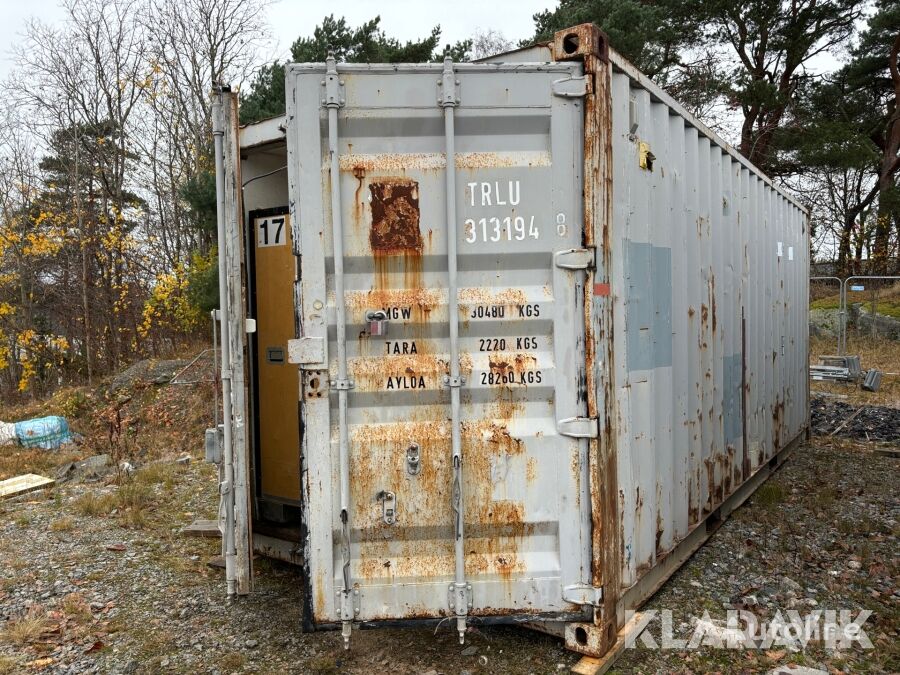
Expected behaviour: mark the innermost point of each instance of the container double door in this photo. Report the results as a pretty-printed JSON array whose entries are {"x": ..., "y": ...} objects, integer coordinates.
[{"x": 522, "y": 485}]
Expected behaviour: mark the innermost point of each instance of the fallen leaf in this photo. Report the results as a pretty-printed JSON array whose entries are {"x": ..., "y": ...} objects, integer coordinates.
[
  {"x": 40, "y": 663},
  {"x": 96, "y": 647},
  {"x": 776, "y": 656},
  {"x": 116, "y": 547}
]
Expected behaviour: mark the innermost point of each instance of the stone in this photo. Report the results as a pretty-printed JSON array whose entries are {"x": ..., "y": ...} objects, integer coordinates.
[{"x": 469, "y": 651}]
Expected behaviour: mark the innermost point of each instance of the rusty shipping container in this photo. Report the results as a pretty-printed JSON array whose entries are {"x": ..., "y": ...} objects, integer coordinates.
[{"x": 532, "y": 378}]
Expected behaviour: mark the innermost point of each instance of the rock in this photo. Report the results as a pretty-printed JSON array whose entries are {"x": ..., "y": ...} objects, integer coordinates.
[
  {"x": 469, "y": 651},
  {"x": 183, "y": 460},
  {"x": 796, "y": 670},
  {"x": 854, "y": 565},
  {"x": 251, "y": 644},
  {"x": 749, "y": 601},
  {"x": 789, "y": 583}
]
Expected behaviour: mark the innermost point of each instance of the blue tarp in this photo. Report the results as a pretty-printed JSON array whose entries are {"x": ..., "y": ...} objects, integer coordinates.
[{"x": 44, "y": 432}]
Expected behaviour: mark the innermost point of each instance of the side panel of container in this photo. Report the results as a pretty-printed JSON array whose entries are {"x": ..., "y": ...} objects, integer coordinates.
[
  {"x": 521, "y": 339},
  {"x": 709, "y": 273}
]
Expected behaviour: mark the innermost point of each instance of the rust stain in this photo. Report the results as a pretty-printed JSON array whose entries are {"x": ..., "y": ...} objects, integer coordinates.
[
  {"x": 395, "y": 216},
  {"x": 531, "y": 469},
  {"x": 425, "y": 161},
  {"x": 482, "y": 295},
  {"x": 507, "y": 364}
]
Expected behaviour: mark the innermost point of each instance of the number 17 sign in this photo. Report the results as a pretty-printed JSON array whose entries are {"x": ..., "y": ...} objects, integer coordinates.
[{"x": 270, "y": 230}]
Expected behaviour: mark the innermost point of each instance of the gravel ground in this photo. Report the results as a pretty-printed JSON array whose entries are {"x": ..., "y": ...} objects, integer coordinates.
[{"x": 95, "y": 578}]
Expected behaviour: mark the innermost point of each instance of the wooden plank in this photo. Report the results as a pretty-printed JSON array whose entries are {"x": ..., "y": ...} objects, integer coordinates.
[
  {"x": 589, "y": 665},
  {"x": 888, "y": 452},
  {"x": 203, "y": 528},
  {"x": 19, "y": 485},
  {"x": 848, "y": 420}
]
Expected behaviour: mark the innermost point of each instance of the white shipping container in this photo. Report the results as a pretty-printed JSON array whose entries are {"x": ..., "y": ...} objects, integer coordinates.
[{"x": 532, "y": 379}]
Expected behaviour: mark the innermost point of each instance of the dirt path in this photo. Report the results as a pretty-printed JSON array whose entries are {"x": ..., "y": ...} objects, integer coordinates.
[{"x": 95, "y": 578}]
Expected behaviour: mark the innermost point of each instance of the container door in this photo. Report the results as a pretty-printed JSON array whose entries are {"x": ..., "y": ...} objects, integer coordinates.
[
  {"x": 518, "y": 135},
  {"x": 272, "y": 305}
]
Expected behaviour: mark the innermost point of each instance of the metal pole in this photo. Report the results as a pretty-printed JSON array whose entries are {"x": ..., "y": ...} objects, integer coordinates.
[
  {"x": 460, "y": 589},
  {"x": 333, "y": 101},
  {"x": 227, "y": 486}
]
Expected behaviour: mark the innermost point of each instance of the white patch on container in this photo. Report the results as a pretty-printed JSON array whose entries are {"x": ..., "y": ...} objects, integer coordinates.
[{"x": 780, "y": 249}]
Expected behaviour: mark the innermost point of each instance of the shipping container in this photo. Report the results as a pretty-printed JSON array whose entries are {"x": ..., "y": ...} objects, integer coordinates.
[{"x": 523, "y": 384}]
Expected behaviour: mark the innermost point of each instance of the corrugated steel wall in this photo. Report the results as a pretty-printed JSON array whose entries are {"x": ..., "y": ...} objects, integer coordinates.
[{"x": 709, "y": 283}]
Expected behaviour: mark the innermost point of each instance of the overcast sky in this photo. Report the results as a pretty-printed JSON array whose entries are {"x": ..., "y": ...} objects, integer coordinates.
[{"x": 288, "y": 19}]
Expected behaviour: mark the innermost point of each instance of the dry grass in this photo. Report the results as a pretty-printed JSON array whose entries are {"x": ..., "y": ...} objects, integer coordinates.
[
  {"x": 15, "y": 461},
  {"x": 9, "y": 665},
  {"x": 64, "y": 524},
  {"x": 75, "y": 606},
  {"x": 232, "y": 661},
  {"x": 26, "y": 629},
  {"x": 92, "y": 504}
]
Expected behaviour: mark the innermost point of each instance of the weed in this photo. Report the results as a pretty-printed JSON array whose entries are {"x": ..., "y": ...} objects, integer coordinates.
[
  {"x": 23, "y": 520},
  {"x": 825, "y": 498},
  {"x": 232, "y": 661},
  {"x": 133, "y": 519},
  {"x": 770, "y": 494},
  {"x": 74, "y": 605},
  {"x": 91, "y": 504},
  {"x": 323, "y": 665},
  {"x": 847, "y": 526},
  {"x": 157, "y": 473},
  {"x": 26, "y": 629},
  {"x": 9, "y": 665},
  {"x": 64, "y": 524},
  {"x": 133, "y": 495}
]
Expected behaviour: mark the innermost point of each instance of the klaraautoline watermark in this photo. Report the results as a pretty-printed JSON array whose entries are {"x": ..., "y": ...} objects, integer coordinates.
[{"x": 833, "y": 629}]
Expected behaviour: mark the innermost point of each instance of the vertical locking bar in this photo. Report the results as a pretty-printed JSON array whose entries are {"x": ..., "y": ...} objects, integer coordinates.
[
  {"x": 448, "y": 101},
  {"x": 334, "y": 100}
]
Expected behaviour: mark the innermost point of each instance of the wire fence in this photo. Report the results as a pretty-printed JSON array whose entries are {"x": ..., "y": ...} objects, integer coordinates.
[{"x": 855, "y": 313}]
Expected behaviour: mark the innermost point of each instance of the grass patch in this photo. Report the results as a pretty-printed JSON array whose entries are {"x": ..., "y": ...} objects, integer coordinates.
[
  {"x": 22, "y": 520},
  {"x": 64, "y": 524},
  {"x": 74, "y": 605},
  {"x": 26, "y": 629},
  {"x": 770, "y": 494},
  {"x": 832, "y": 302},
  {"x": 91, "y": 504},
  {"x": 9, "y": 665},
  {"x": 232, "y": 661},
  {"x": 158, "y": 473},
  {"x": 323, "y": 665}
]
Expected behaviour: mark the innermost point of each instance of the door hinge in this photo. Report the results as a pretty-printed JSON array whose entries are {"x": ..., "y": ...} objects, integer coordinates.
[
  {"x": 349, "y": 604},
  {"x": 582, "y": 594},
  {"x": 575, "y": 258},
  {"x": 572, "y": 87},
  {"x": 306, "y": 350},
  {"x": 333, "y": 86},
  {"x": 579, "y": 427},
  {"x": 459, "y": 598}
]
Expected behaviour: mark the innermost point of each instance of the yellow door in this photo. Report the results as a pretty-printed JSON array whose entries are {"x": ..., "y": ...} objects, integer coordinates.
[{"x": 277, "y": 423}]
